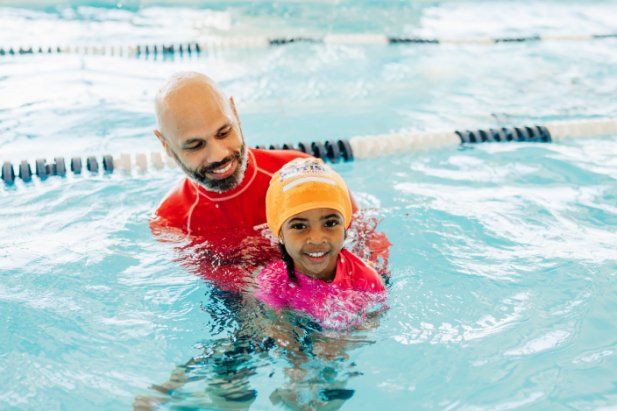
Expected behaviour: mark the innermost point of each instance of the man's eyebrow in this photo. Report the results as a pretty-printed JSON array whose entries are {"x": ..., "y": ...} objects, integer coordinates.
[{"x": 223, "y": 128}]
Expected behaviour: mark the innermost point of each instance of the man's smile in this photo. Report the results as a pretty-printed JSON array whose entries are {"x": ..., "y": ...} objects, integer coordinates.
[{"x": 225, "y": 171}]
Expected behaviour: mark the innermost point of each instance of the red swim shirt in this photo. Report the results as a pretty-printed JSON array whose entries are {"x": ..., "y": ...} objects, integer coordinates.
[
  {"x": 224, "y": 230},
  {"x": 197, "y": 212}
]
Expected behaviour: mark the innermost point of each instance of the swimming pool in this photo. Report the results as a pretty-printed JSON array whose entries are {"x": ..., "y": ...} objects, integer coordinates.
[{"x": 504, "y": 259}]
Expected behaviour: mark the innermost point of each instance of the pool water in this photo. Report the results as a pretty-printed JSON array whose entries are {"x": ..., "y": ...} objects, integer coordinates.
[{"x": 504, "y": 259}]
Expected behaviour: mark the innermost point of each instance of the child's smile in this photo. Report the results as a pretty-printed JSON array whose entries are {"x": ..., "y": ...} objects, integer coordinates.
[{"x": 314, "y": 239}]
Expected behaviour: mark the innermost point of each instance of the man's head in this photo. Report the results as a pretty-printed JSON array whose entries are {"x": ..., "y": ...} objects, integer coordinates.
[{"x": 201, "y": 130}]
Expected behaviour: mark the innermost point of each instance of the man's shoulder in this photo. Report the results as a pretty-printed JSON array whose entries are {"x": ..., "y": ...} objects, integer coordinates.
[
  {"x": 273, "y": 160},
  {"x": 362, "y": 276},
  {"x": 175, "y": 199}
]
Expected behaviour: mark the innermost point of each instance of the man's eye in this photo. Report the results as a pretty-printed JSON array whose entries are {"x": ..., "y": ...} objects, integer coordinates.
[
  {"x": 195, "y": 146},
  {"x": 224, "y": 133}
]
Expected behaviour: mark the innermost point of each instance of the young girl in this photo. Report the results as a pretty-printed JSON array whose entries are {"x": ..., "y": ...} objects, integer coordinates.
[{"x": 308, "y": 208}]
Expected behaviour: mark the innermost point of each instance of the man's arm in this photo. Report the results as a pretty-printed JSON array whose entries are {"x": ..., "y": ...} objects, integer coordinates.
[{"x": 367, "y": 243}]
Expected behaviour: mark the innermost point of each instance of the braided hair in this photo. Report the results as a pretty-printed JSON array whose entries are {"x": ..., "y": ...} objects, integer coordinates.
[{"x": 289, "y": 263}]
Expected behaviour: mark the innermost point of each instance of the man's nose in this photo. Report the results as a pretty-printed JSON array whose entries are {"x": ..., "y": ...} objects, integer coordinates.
[{"x": 216, "y": 151}]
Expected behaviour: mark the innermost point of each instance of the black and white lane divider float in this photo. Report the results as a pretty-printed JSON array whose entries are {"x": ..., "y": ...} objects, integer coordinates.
[
  {"x": 355, "y": 148},
  {"x": 212, "y": 44}
]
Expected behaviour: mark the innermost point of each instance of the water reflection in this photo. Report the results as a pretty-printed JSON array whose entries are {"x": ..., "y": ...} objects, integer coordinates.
[
  {"x": 247, "y": 339},
  {"x": 314, "y": 362}
]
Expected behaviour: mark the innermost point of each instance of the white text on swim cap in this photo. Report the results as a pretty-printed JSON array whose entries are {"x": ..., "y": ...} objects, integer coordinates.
[{"x": 311, "y": 179}]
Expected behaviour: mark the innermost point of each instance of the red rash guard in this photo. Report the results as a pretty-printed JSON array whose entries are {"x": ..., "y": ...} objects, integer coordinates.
[
  {"x": 197, "y": 212},
  {"x": 224, "y": 230}
]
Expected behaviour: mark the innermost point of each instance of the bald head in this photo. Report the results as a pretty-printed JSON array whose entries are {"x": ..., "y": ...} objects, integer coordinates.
[{"x": 176, "y": 100}]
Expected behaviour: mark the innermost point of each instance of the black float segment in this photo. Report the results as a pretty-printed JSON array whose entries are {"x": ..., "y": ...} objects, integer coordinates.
[
  {"x": 318, "y": 149},
  {"x": 60, "y": 166},
  {"x": 534, "y": 134},
  {"x": 42, "y": 168},
  {"x": 304, "y": 147},
  {"x": 8, "y": 174},
  {"x": 92, "y": 165},
  {"x": 76, "y": 165},
  {"x": 108, "y": 163},
  {"x": 345, "y": 149},
  {"x": 25, "y": 172},
  {"x": 330, "y": 150}
]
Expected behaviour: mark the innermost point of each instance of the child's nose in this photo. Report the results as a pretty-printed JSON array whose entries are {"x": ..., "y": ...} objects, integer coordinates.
[{"x": 316, "y": 236}]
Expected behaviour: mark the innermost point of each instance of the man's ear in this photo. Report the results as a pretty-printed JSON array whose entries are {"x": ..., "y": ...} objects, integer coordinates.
[
  {"x": 233, "y": 107},
  {"x": 158, "y": 135}
]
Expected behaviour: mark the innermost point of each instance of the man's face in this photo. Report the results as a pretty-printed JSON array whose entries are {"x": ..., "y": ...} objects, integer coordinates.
[{"x": 202, "y": 133}]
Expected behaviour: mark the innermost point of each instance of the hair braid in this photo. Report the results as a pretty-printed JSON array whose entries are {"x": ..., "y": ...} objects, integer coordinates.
[{"x": 289, "y": 263}]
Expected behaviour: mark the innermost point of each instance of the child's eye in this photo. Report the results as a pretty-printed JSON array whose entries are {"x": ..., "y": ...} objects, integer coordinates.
[
  {"x": 297, "y": 226},
  {"x": 332, "y": 223}
]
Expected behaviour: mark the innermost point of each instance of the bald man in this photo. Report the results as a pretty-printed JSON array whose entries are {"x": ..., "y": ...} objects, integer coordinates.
[{"x": 221, "y": 203}]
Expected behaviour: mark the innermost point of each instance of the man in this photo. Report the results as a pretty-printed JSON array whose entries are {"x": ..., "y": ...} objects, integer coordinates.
[
  {"x": 226, "y": 184},
  {"x": 220, "y": 207}
]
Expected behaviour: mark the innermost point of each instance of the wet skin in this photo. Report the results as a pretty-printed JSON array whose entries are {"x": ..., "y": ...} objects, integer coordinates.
[{"x": 314, "y": 239}]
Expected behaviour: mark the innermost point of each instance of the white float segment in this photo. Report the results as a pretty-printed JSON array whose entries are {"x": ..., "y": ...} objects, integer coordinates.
[
  {"x": 470, "y": 40},
  {"x": 141, "y": 161},
  {"x": 123, "y": 162},
  {"x": 355, "y": 39},
  {"x": 565, "y": 37},
  {"x": 237, "y": 42},
  {"x": 582, "y": 128},
  {"x": 170, "y": 162},
  {"x": 156, "y": 160},
  {"x": 389, "y": 144}
]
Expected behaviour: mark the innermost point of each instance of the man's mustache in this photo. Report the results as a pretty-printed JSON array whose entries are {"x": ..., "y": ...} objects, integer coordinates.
[{"x": 210, "y": 168}]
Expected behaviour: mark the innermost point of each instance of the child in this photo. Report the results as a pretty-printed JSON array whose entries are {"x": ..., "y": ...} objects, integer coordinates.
[{"x": 308, "y": 208}]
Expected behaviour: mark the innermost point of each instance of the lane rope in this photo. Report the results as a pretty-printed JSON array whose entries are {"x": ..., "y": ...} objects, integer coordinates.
[
  {"x": 213, "y": 44},
  {"x": 358, "y": 147}
]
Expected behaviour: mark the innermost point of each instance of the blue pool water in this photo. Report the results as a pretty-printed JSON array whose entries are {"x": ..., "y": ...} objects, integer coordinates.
[{"x": 504, "y": 257}]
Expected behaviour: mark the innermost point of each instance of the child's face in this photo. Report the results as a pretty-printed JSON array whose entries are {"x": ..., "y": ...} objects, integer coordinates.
[{"x": 314, "y": 239}]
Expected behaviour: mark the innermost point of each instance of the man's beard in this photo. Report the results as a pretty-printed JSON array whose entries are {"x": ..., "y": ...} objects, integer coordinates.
[{"x": 199, "y": 176}]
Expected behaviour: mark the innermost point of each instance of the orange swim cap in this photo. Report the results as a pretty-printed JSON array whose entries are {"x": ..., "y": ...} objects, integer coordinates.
[{"x": 305, "y": 184}]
